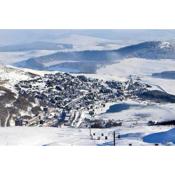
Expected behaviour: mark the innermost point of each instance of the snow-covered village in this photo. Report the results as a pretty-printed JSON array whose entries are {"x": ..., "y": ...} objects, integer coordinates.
[{"x": 87, "y": 90}]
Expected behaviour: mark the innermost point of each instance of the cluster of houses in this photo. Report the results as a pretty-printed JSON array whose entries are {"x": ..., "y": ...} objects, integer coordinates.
[{"x": 62, "y": 97}]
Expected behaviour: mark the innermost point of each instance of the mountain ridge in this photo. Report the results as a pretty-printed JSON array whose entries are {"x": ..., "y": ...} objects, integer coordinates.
[{"x": 95, "y": 58}]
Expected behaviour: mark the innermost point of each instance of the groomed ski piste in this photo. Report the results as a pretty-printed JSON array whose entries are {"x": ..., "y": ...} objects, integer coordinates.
[{"x": 37, "y": 136}]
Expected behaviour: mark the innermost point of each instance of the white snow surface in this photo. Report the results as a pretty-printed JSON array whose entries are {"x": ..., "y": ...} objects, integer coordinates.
[
  {"x": 45, "y": 136},
  {"x": 165, "y": 44},
  {"x": 11, "y": 76},
  {"x": 2, "y": 93},
  {"x": 142, "y": 68}
]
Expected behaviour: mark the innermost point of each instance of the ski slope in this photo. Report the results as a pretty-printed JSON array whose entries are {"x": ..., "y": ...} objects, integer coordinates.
[{"x": 40, "y": 136}]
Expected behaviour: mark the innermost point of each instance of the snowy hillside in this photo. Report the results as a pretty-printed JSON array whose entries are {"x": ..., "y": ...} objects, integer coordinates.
[
  {"x": 89, "y": 60},
  {"x": 45, "y": 108},
  {"x": 143, "y": 68},
  {"x": 150, "y": 49}
]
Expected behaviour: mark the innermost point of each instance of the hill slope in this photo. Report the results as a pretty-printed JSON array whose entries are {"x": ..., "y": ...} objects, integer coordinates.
[{"x": 83, "y": 60}]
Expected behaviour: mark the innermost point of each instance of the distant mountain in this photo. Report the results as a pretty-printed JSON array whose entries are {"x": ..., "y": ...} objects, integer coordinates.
[
  {"x": 151, "y": 49},
  {"x": 83, "y": 60},
  {"x": 75, "y": 42},
  {"x": 35, "y": 46}
]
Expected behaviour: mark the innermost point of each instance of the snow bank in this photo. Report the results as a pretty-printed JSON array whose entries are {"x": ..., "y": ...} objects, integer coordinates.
[{"x": 44, "y": 136}]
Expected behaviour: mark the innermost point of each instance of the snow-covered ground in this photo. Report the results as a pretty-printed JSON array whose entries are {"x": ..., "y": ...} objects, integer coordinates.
[
  {"x": 10, "y": 76},
  {"x": 142, "y": 68},
  {"x": 165, "y": 137},
  {"x": 134, "y": 127},
  {"x": 141, "y": 112},
  {"x": 136, "y": 117},
  {"x": 44, "y": 136},
  {"x": 38, "y": 136},
  {"x": 137, "y": 66}
]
